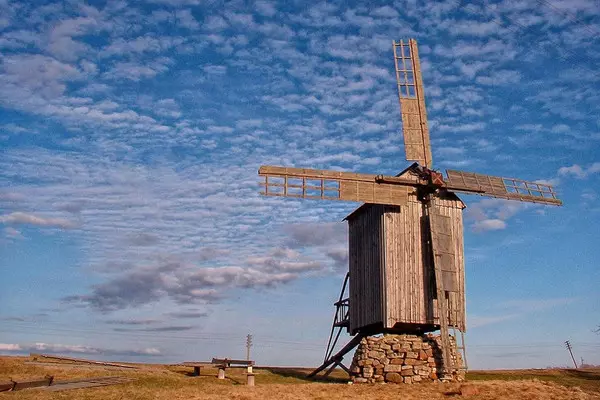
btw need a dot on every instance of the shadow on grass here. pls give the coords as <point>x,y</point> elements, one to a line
<point>582,374</point>
<point>302,374</point>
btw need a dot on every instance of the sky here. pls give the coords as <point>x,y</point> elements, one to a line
<point>131,224</point>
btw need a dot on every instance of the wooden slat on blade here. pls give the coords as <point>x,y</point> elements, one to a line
<point>268,170</point>
<point>414,143</point>
<point>376,193</point>
<point>412,102</point>
<point>505,188</point>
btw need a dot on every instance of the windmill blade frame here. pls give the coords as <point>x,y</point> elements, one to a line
<point>499,187</point>
<point>411,96</point>
<point>334,185</point>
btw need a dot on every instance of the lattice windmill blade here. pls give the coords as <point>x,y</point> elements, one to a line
<point>412,102</point>
<point>334,185</point>
<point>505,188</point>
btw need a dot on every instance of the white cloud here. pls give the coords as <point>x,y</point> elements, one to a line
<point>136,71</point>
<point>30,219</point>
<point>489,225</point>
<point>578,171</point>
<point>265,8</point>
<point>491,214</point>
<point>77,349</point>
<point>186,19</point>
<point>13,233</point>
<point>10,347</point>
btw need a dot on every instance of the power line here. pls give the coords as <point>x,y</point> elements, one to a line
<point>557,45</point>
<point>576,21</point>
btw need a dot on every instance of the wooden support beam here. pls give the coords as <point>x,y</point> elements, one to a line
<point>80,360</point>
<point>339,355</point>
<point>6,386</point>
<point>32,383</point>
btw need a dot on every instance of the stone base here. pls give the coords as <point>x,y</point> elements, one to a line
<point>402,359</point>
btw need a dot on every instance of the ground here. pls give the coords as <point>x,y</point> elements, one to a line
<point>174,383</point>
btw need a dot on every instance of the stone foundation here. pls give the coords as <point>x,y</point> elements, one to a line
<point>402,359</point>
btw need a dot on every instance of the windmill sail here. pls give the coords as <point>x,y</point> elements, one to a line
<point>505,188</point>
<point>334,185</point>
<point>412,102</point>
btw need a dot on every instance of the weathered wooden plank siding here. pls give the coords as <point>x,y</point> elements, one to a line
<point>366,265</point>
<point>405,275</point>
<point>408,270</point>
<point>391,271</point>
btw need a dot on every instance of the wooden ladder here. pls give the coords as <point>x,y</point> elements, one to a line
<point>447,364</point>
<point>461,348</point>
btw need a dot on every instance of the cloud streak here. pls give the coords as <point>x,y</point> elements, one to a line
<point>21,218</point>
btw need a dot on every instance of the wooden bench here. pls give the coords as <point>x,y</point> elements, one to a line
<point>220,363</point>
<point>224,363</point>
<point>197,365</point>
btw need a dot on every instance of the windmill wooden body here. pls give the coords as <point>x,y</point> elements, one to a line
<point>406,255</point>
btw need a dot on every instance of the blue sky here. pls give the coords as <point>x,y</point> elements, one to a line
<point>131,225</point>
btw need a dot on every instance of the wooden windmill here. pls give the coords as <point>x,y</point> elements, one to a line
<point>406,256</point>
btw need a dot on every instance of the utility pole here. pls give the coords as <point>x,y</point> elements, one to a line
<point>568,344</point>
<point>248,345</point>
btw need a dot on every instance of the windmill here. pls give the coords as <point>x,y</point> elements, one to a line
<point>406,253</point>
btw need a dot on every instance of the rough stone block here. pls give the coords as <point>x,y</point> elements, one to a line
<point>397,361</point>
<point>376,354</point>
<point>412,354</point>
<point>392,368</point>
<point>408,379</point>
<point>393,377</point>
<point>407,372</point>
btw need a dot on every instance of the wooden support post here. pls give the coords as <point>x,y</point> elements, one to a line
<point>339,355</point>
<point>250,379</point>
<point>221,372</point>
<point>330,370</point>
<point>6,386</point>
<point>342,366</point>
<point>249,369</point>
<point>32,383</point>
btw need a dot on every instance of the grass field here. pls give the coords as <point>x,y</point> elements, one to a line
<point>176,383</point>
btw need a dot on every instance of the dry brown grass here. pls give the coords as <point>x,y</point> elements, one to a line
<point>173,383</point>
